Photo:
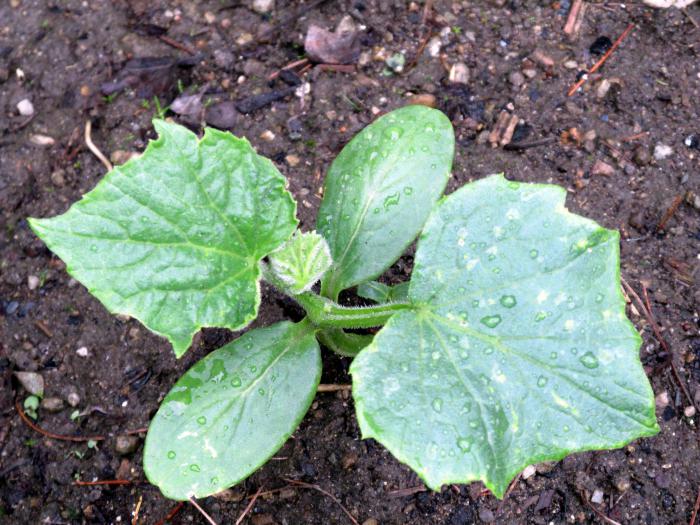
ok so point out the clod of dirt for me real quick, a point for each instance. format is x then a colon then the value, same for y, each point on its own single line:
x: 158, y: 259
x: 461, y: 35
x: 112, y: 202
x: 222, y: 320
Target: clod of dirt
x: 188, y: 105
x: 222, y: 115
x: 52, y: 404
x: 149, y: 76
x: 341, y: 46
x: 600, y: 45
x: 255, y: 102
x: 126, y: 445
x: 32, y: 382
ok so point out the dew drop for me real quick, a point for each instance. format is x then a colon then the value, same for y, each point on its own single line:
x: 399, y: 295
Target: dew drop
x: 93, y: 248
x: 194, y: 467
x: 534, y: 254
x: 253, y: 368
x: 214, y: 480
x: 464, y: 444
x: 599, y: 298
x: 489, y: 350
x: 508, y: 301
x: 540, y: 316
x: 436, y: 355
x: 492, y: 321
x: 408, y: 190
x: 236, y: 382
x: 541, y: 381
x: 437, y: 404
x: 553, y: 355
x: 475, y: 303
x: 171, y: 454
x: 202, y: 420
x: 589, y: 360
x: 261, y: 391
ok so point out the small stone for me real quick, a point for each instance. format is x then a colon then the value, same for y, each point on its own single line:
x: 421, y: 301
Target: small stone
x: 693, y: 199
x: 209, y: 17
x: 459, y: 73
x: 222, y: 115
x: 292, y: 160
x: 542, y: 58
x: 662, y: 151
x: 434, y: 46
x: 42, y: 140
x: 348, y: 460
x: 597, y: 496
x: 126, y: 445
x: 529, y: 72
x: 529, y: 471
x: 244, y: 39
x: 423, y: 99
x: 516, y: 78
x: 642, y: 156
x: 119, y: 157
x: 662, y: 400
x: 52, y: 404
x: 267, y: 135
x: 263, y: 6
x: 58, y: 179
x: 602, y: 88
x: 486, y: 515
x: 370, y: 521
x: 73, y: 399
x: 689, y: 411
x: 571, y: 64
x: 85, y: 91
x: 396, y: 62
x: 622, y: 483
x: 82, y: 351
x: 25, y: 107
x: 223, y: 59
x: 602, y: 168
x: 33, y: 282
x: 546, y: 467
x: 32, y: 382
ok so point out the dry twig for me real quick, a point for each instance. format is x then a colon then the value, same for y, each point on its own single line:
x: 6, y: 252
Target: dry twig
x: 95, y: 150
x: 249, y: 506
x: 696, y: 508
x: 333, y: 388
x: 325, y: 493
x: 172, y: 513
x: 51, y: 435
x: 600, y: 62
x: 136, y: 511
x: 202, y: 512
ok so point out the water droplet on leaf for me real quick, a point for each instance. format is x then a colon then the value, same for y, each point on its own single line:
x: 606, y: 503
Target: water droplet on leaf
x: 508, y: 301
x: 492, y: 321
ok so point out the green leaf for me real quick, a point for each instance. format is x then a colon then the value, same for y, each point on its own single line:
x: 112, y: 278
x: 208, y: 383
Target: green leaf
x: 382, y: 293
x: 173, y: 238
x: 301, y: 262
x: 231, y: 411
x: 380, y: 190
x: 518, y: 350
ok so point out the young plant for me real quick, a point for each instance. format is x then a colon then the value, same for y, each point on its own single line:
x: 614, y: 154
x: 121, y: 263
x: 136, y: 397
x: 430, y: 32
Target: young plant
x: 509, y: 345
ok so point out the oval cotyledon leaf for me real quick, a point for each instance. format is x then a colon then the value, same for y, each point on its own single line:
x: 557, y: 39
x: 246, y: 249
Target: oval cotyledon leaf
x: 231, y: 411
x: 173, y: 237
x: 518, y: 349
x: 380, y: 190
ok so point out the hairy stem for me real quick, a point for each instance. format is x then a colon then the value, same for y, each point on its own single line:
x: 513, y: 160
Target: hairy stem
x: 328, y: 314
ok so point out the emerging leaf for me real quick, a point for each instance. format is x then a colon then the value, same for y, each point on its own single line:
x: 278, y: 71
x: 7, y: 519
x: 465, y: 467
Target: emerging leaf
x: 382, y: 293
x: 301, y: 261
x: 231, y: 411
x: 379, y: 191
x: 518, y: 350
x: 173, y: 238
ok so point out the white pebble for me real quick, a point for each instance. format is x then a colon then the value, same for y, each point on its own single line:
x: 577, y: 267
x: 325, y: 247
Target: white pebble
x: 529, y: 471
x: 25, y: 107
x: 82, y: 351
x: 597, y: 496
x: 689, y: 411
x: 662, y: 151
x: 33, y: 282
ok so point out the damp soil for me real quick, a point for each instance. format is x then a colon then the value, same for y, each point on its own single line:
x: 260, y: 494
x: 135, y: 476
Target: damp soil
x: 64, y: 55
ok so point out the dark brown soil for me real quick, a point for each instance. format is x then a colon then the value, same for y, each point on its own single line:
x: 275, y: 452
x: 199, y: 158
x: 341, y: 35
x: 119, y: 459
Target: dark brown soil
x: 67, y: 49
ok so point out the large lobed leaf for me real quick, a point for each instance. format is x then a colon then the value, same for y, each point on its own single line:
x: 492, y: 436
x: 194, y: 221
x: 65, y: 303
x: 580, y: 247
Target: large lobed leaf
x: 174, y: 237
x: 380, y: 190
x: 518, y: 350
x: 233, y: 410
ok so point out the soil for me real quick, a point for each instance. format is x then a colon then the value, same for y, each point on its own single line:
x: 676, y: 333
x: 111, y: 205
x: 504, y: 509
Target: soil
x: 60, y: 54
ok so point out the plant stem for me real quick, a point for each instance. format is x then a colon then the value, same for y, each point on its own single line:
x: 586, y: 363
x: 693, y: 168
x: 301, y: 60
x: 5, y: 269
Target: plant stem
x: 326, y: 313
